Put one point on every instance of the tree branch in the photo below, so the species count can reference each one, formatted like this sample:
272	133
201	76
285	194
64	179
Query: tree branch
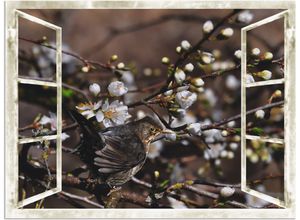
83	60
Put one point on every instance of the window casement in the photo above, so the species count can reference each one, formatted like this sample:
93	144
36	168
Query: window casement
17	81
284	82
14	80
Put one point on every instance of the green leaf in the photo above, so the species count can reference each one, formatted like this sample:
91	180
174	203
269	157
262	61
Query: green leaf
257	131
164	183
238	131
67	93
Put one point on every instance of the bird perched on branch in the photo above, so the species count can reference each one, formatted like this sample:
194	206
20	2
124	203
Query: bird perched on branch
116	153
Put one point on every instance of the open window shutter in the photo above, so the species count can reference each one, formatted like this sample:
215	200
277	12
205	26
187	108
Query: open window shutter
285	82
55	84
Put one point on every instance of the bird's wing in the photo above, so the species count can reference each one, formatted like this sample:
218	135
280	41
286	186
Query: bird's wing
119	154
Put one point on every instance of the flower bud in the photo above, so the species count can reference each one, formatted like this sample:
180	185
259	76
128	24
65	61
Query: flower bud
238	54
198	82
249	78
165	60
85	69
224	133
179	76
156	174
255	52
121	66
249	152
189	67
267	56
207	58
208	26
233	146
245	17
230	155
225	33
231	124
260	114
148	71
223	154
236	138
197	89
216	53
185	45
265	74
94	89
113	58
194	129
227	191
217	162
178	49
232	82
254	158
277	94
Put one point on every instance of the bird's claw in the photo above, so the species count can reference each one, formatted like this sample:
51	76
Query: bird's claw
114	189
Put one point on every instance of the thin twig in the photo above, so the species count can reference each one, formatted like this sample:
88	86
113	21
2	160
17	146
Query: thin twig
81	198
183	58
84	61
76	90
233	118
210	195
205	37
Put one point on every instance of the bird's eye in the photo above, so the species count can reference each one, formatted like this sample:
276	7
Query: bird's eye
152	129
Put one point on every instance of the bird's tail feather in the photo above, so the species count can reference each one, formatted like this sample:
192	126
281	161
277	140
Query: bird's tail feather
91	141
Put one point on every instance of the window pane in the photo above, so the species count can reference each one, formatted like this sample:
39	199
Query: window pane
37	110
266	52
37	168
35	61
265	168
268	122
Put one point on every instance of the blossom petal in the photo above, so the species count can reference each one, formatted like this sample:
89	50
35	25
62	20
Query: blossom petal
89	114
97	105
99	116
64	136
83	107
105	106
45	120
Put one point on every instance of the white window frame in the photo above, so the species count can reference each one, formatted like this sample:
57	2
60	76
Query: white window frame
287	105
14	46
12	123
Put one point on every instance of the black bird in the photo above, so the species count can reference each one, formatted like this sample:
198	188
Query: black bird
116	154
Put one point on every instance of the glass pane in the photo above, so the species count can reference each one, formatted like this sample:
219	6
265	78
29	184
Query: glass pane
268	122
35	61
265	56
265	168
37	110
37	168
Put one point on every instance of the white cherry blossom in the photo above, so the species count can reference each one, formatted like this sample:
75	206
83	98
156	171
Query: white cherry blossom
185	99
117	88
